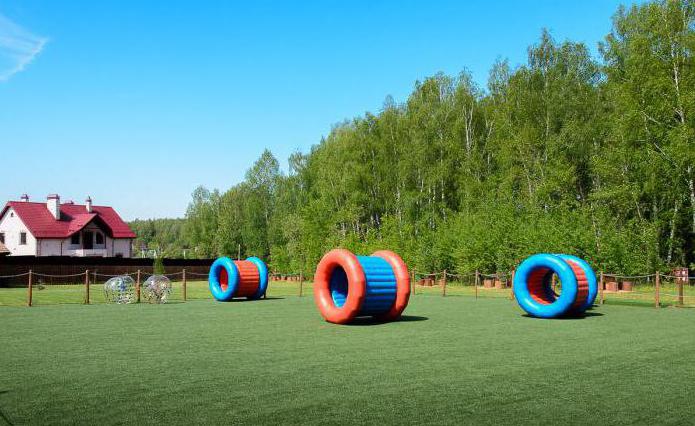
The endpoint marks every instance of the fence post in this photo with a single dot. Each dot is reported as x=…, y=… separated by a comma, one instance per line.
x=137, y=287
x=86, y=287
x=444, y=283
x=657, y=302
x=600, y=286
x=183, y=284
x=511, y=295
x=412, y=282
x=477, y=281
x=679, y=280
x=30, y=289
x=301, y=284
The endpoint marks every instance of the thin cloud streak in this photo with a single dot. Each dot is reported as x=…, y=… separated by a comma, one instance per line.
x=18, y=47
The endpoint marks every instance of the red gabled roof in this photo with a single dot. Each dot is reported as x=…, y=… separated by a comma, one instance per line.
x=79, y=221
x=73, y=217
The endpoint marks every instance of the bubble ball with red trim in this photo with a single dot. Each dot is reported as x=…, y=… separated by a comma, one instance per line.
x=157, y=289
x=347, y=286
x=535, y=295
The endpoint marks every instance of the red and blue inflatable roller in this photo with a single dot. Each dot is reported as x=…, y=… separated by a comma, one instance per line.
x=238, y=278
x=534, y=293
x=348, y=286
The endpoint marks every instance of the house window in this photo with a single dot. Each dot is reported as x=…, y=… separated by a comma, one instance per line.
x=22, y=238
x=75, y=239
x=88, y=240
x=2, y=237
x=99, y=238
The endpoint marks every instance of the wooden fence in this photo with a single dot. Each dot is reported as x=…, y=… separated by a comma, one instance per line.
x=62, y=270
x=658, y=289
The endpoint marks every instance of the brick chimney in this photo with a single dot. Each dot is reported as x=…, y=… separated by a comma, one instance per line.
x=88, y=204
x=24, y=198
x=53, y=205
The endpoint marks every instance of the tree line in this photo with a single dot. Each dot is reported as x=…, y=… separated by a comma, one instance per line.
x=565, y=153
x=160, y=238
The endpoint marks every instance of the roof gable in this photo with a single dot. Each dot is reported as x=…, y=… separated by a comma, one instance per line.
x=73, y=218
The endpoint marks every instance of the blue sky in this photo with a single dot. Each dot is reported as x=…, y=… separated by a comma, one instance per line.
x=137, y=103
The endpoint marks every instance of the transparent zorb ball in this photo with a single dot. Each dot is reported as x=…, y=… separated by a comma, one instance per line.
x=157, y=289
x=120, y=290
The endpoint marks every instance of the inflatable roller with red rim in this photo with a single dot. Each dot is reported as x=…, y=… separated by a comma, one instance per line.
x=348, y=286
x=238, y=278
x=535, y=295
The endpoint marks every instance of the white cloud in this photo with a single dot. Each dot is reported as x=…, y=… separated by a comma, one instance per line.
x=18, y=47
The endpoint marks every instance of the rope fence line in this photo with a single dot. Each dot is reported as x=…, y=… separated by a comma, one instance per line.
x=678, y=296
x=498, y=275
x=470, y=274
x=106, y=275
x=647, y=287
x=473, y=280
x=37, y=274
x=426, y=275
x=14, y=276
x=611, y=286
x=95, y=274
x=630, y=277
x=681, y=297
x=633, y=295
x=86, y=279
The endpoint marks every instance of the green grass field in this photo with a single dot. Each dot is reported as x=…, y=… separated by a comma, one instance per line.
x=643, y=295
x=75, y=293
x=450, y=361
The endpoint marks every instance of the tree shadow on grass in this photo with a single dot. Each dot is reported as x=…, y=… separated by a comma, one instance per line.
x=362, y=321
x=243, y=300
x=569, y=317
x=3, y=416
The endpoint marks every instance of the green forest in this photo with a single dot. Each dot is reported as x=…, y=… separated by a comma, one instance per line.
x=573, y=152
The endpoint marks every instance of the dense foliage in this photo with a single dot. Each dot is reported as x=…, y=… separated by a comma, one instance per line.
x=566, y=153
x=160, y=238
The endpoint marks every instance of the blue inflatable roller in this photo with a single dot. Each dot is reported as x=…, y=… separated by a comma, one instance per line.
x=348, y=286
x=534, y=293
x=238, y=278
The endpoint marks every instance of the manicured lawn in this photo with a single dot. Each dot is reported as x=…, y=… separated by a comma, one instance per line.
x=75, y=293
x=450, y=361
x=643, y=295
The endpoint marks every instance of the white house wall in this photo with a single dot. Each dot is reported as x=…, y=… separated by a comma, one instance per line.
x=49, y=247
x=110, y=248
x=11, y=225
x=121, y=247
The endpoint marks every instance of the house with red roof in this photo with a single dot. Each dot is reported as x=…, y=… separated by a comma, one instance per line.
x=67, y=229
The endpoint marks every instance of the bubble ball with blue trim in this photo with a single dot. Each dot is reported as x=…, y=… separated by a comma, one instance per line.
x=120, y=290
